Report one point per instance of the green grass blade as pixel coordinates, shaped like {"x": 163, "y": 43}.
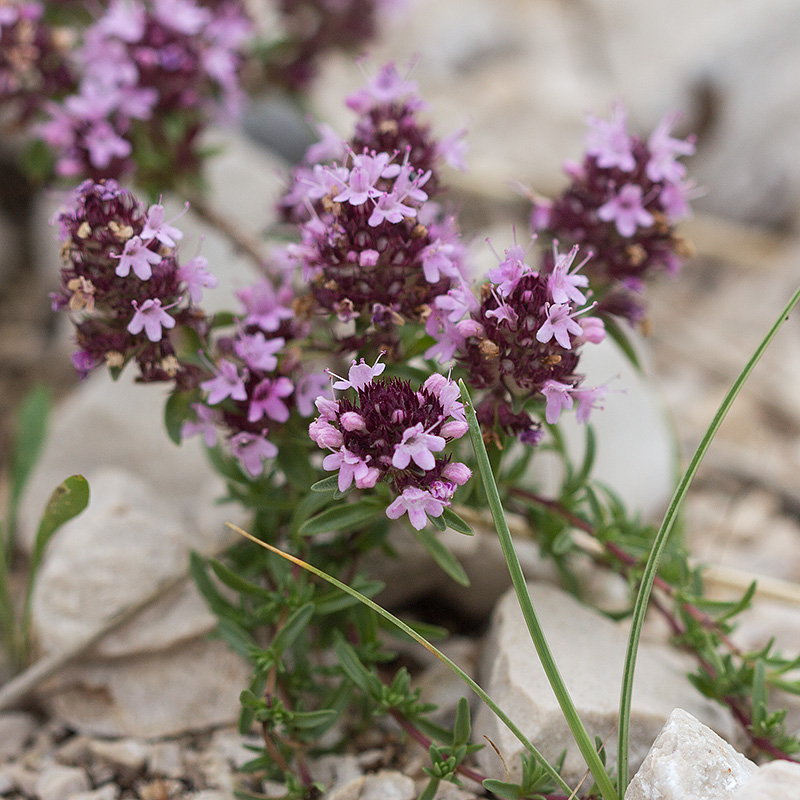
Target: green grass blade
{"x": 420, "y": 640}
{"x": 579, "y": 734}
{"x": 660, "y": 541}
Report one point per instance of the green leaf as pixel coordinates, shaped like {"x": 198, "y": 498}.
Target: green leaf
{"x": 442, "y": 556}
{"x": 305, "y": 720}
{"x": 456, "y": 523}
{"x": 67, "y": 501}
{"x": 176, "y": 411}
{"x": 236, "y": 637}
{"x": 352, "y": 667}
{"x": 462, "y": 729}
{"x": 235, "y": 581}
{"x": 216, "y": 602}
{"x": 341, "y": 517}
{"x": 660, "y": 542}
{"x": 329, "y": 484}
{"x": 29, "y": 436}
{"x": 509, "y": 791}
{"x": 438, "y": 522}
{"x": 759, "y": 694}
{"x": 296, "y": 622}
{"x": 563, "y": 542}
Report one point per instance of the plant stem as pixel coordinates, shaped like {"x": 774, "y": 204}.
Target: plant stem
{"x": 660, "y": 541}
{"x": 568, "y": 709}
{"x": 242, "y": 241}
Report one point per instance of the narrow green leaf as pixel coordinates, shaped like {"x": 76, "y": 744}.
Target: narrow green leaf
{"x": 563, "y": 542}
{"x": 660, "y": 542}
{"x": 354, "y": 669}
{"x": 67, "y": 501}
{"x": 329, "y": 484}
{"x": 509, "y": 791}
{"x": 29, "y": 436}
{"x": 341, "y": 517}
{"x": 442, "y": 556}
{"x": 236, "y": 637}
{"x": 296, "y": 622}
{"x": 759, "y": 693}
{"x": 548, "y": 663}
{"x": 456, "y": 523}
{"x": 216, "y": 602}
{"x": 235, "y": 581}
{"x": 305, "y": 720}
{"x": 462, "y": 729}
{"x": 177, "y": 410}
{"x": 438, "y": 522}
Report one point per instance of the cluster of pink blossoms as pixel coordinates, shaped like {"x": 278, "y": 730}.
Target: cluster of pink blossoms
{"x": 153, "y": 71}
{"x": 122, "y": 278}
{"x": 520, "y": 341}
{"x": 392, "y": 433}
{"x": 374, "y": 248}
{"x": 258, "y": 381}
{"x": 622, "y": 205}
{"x": 33, "y": 59}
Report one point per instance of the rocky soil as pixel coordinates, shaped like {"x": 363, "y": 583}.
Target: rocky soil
{"x": 144, "y": 708}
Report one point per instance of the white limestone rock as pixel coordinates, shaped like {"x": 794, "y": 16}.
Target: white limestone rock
{"x": 60, "y": 783}
{"x": 589, "y": 650}
{"x": 192, "y": 686}
{"x": 16, "y": 728}
{"x": 127, "y": 542}
{"x": 778, "y": 780}
{"x": 688, "y": 761}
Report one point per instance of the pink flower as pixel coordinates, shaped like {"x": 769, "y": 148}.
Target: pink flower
{"x": 323, "y": 434}
{"x": 587, "y": 400}
{"x": 307, "y": 389}
{"x": 437, "y": 260}
{"x": 138, "y": 257}
{"x": 183, "y": 16}
{"x": 558, "y": 398}
{"x": 418, "y": 503}
{"x": 152, "y": 318}
{"x": 104, "y": 144}
{"x": 457, "y": 472}
{"x": 609, "y": 142}
{"x": 252, "y": 449}
{"x": 228, "y": 383}
{"x": 359, "y": 375}
{"x": 563, "y": 284}
{"x": 257, "y": 351}
{"x": 386, "y": 87}
{"x": 559, "y": 325}
{"x": 196, "y": 277}
{"x": 265, "y": 306}
{"x": 390, "y": 208}
{"x": 351, "y": 467}
{"x": 156, "y": 228}
{"x": 663, "y": 148}
{"x": 418, "y": 446}
{"x": 508, "y": 272}
{"x": 626, "y": 210}
{"x": 267, "y": 401}
{"x": 207, "y": 420}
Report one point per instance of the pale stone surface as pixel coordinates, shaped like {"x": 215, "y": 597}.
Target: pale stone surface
{"x": 589, "y": 650}
{"x": 126, "y": 755}
{"x": 60, "y": 783}
{"x": 16, "y": 727}
{"x": 106, "y": 792}
{"x": 778, "y": 780}
{"x": 195, "y": 685}
{"x": 388, "y": 785}
{"x": 688, "y": 761}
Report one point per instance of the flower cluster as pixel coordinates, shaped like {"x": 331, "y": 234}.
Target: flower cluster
{"x": 392, "y": 433}
{"x": 33, "y": 61}
{"x": 257, "y": 379}
{"x": 152, "y": 73}
{"x": 375, "y": 250}
{"x": 520, "y": 340}
{"x": 622, "y": 205}
{"x": 315, "y": 27}
{"x": 122, "y": 278}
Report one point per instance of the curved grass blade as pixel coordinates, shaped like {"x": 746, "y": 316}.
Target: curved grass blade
{"x": 660, "y": 541}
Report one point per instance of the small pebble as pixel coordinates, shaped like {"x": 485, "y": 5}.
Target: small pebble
{"x": 61, "y": 783}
